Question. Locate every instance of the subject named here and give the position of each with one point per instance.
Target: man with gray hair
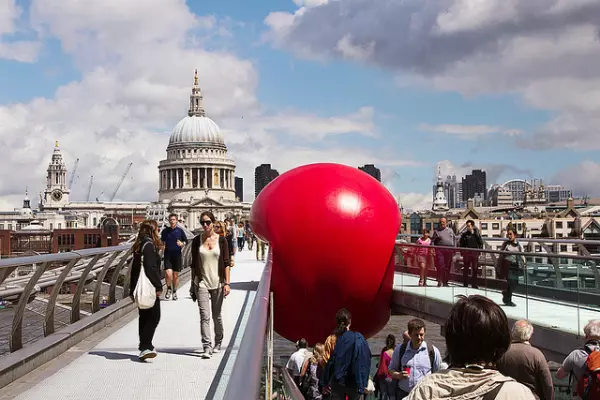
(575, 362)
(525, 363)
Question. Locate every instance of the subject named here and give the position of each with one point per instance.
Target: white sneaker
(217, 348)
(207, 353)
(144, 355)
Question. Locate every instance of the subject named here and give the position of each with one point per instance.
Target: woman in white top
(210, 280)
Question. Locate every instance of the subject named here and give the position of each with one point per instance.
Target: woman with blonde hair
(311, 373)
(145, 254)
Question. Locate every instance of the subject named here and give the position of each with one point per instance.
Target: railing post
(75, 306)
(16, 334)
(112, 295)
(49, 319)
(100, 280)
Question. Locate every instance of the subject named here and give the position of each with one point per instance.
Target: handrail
(533, 240)
(291, 390)
(489, 251)
(244, 382)
(18, 261)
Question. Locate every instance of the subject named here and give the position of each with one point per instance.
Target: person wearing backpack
(582, 366)
(145, 254)
(414, 360)
(348, 368)
(311, 373)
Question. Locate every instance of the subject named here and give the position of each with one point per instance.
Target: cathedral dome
(196, 129)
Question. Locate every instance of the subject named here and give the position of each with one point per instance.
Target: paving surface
(110, 369)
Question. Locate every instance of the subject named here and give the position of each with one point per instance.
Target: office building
(239, 188)
(263, 175)
(371, 170)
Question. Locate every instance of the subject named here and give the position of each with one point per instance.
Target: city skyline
(87, 77)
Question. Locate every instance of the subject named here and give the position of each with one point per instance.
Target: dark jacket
(151, 266)
(224, 259)
(471, 240)
(350, 362)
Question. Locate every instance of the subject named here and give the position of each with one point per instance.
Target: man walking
(471, 239)
(443, 236)
(174, 239)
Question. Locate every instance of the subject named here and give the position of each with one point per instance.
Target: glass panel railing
(559, 291)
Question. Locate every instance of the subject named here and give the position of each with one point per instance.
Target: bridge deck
(544, 312)
(111, 369)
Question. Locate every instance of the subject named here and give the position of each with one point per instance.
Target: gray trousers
(210, 301)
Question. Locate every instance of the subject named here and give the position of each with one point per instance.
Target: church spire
(196, 99)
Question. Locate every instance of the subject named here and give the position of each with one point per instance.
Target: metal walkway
(110, 369)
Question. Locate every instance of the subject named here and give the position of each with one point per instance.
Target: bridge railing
(254, 362)
(41, 294)
(551, 278)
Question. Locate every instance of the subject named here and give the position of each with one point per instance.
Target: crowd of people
(212, 256)
(485, 359)
(435, 251)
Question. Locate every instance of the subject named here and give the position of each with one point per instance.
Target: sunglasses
(206, 222)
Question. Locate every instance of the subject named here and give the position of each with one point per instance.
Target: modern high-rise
(372, 170)
(474, 185)
(263, 175)
(239, 188)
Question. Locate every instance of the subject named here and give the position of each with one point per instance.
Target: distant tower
(56, 194)
(239, 188)
(372, 170)
(26, 201)
(439, 198)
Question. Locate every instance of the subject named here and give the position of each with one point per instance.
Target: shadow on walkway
(111, 355)
(248, 286)
(192, 352)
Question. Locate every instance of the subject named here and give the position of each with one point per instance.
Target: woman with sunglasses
(210, 280)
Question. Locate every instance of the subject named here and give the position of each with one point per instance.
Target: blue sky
(404, 100)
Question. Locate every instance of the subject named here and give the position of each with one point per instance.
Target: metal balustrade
(105, 268)
(245, 380)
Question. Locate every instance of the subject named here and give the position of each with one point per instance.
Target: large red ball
(332, 230)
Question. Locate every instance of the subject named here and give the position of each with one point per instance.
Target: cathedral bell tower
(56, 194)
(196, 99)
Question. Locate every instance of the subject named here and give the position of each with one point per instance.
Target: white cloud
(583, 178)
(16, 50)
(416, 201)
(468, 131)
(136, 61)
(546, 51)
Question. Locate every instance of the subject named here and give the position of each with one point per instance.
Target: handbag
(144, 293)
(370, 387)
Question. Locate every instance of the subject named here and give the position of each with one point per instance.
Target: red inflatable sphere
(332, 230)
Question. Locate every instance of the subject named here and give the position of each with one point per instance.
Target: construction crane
(87, 198)
(72, 178)
(114, 193)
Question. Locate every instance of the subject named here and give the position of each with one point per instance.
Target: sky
(507, 86)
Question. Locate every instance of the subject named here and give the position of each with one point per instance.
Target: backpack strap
(402, 351)
(431, 356)
(491, 395)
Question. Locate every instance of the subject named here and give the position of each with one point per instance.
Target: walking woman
(145, 252)
(347, 370)
(311, 373)
(387, 386)
(423, 256)
(210, 281)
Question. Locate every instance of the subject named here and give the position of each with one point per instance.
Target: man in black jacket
(471, 239)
